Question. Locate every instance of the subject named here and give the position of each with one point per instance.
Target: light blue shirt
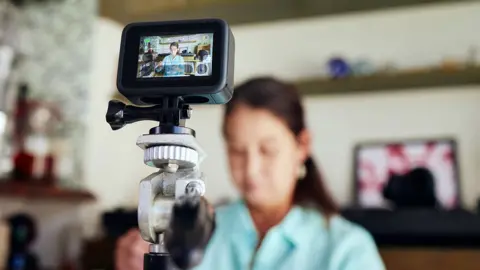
(301, 241)
(173, 66)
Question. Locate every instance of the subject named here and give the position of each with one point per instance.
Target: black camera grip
(192, 226)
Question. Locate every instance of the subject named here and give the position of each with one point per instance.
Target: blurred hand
(191, 227)
(130, 250)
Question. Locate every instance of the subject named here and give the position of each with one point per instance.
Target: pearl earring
(302, 172)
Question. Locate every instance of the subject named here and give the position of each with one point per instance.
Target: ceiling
(242, 11)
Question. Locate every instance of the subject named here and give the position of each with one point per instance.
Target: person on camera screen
(173, 64)
(286, 218)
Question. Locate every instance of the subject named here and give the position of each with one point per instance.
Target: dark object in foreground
(191, 228)
(157, 261)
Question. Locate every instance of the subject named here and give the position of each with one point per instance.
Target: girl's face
(264, 156)
(173, 50)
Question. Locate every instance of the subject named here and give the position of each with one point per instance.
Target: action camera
(191, 59)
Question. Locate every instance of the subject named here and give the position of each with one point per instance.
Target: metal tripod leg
(157, 261)
(158, 257)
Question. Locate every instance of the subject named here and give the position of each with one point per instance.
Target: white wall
(296, 49)
(407, 37)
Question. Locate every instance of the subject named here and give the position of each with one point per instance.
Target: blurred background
(388, 85)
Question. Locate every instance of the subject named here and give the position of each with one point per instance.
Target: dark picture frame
(410, 141)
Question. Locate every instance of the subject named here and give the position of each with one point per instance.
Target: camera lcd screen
(175, 56)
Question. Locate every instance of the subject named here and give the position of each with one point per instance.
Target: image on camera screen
(175, 56)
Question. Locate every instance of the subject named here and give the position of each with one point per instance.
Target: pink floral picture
(375, 163)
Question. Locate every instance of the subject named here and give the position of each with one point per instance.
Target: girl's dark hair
(175, 44)
(284, 101)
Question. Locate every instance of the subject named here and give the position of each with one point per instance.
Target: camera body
(190, 59)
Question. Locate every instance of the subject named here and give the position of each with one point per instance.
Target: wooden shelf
(381, 83)
(247, 11)
(39, 192)
(394, 82)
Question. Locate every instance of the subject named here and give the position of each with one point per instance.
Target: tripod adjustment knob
(157, 156)
(116, 114)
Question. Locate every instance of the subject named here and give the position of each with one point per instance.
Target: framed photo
(375, 162)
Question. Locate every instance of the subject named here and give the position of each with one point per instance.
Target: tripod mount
(172, 216)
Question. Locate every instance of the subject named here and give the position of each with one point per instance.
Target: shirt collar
(288, 228)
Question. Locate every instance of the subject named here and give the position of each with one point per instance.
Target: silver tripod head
(177, 156)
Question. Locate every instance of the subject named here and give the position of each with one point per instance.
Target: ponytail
(310, 191)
